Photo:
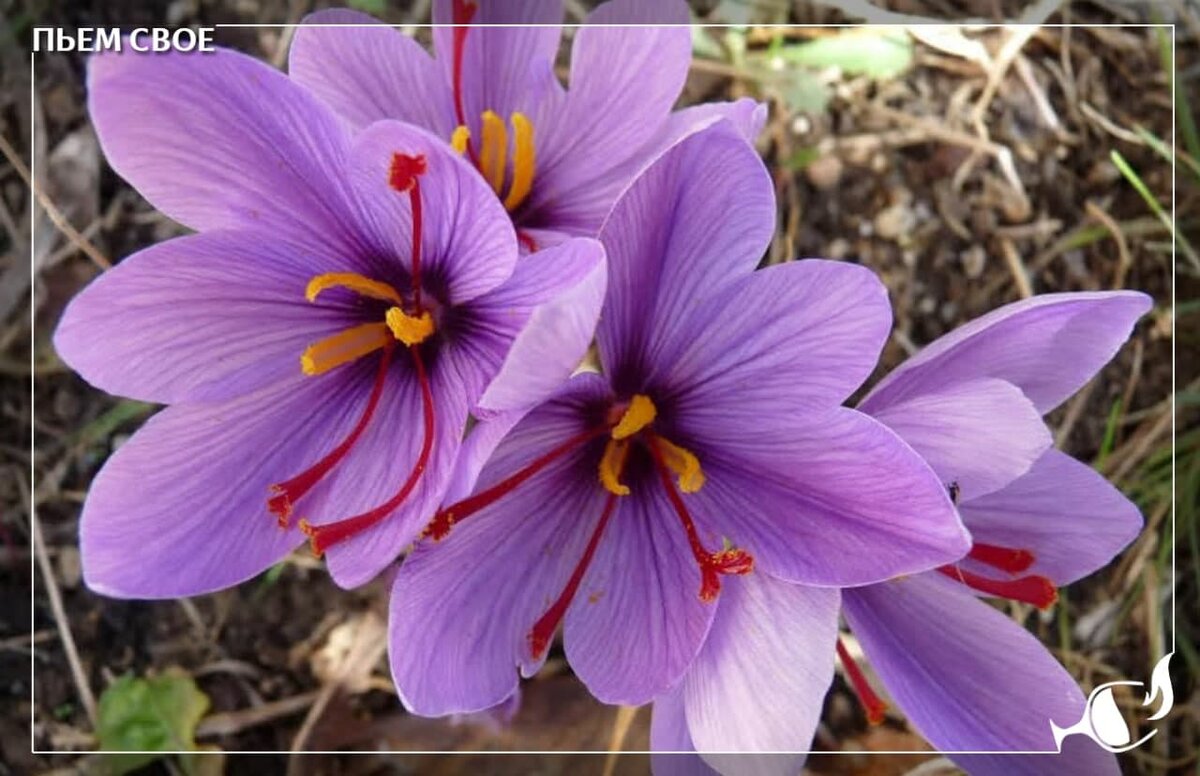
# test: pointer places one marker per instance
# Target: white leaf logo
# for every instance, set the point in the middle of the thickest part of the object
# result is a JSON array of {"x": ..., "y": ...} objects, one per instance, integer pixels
[{"x": 1102, "y": 720}]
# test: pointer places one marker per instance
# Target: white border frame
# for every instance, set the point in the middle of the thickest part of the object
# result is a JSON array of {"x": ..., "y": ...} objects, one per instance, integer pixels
[{"x": 33, "y": 209}]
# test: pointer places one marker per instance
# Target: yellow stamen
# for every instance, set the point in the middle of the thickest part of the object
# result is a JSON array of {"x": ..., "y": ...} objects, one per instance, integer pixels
[
  {"x": 354, "y": 282},
  {"x": 682, "y": 462},
  {"x": 409, "y": 329},
  {"x": 523, "y": 161},
  {"x": 343, "y": 347},
  {"x": 459, "y": 139},
  {"x": 494, "y": 154},
  {"x": 638, "y": 415},
  {"x": 611, "y": 465}
]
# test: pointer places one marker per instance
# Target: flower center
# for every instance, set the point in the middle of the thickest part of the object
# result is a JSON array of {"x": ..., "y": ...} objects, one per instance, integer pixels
[
  {"x": 625, "y": 424},
  {"x": 404, "y": 321},
  {"x": 492, "y": 156}
]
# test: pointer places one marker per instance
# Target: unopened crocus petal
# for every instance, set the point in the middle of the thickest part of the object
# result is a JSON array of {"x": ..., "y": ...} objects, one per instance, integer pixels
[
  {"x": 801, "y": 334},
  {"x": 368, "y": 71},
  {"x": 1063, "y": 511},
  {"x": 498, "y": 62},
  {"x": 966, "y": 676},
  {"x": 379, "y": 466},
  {"x": 978, "y": 434},
  {"x": 224, "y": 141},
  {"x": 560, "y": 290},
  {"x": 462, "y": 607},
  {"x": 703, "y": 213},
  {"x": 829, "y": 498},
  {"x": 469, "y": 247},
  {"x": 199, "y": 318},
  {"x": 1048, "y": 346},
  {"x": 180, "y": 509},
  {"x": 637, "y": 621},
  {"x": 760, "y": 681}
]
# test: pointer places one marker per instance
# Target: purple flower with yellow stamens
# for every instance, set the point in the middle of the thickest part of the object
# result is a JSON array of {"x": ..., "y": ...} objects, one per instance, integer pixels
[
  {"x": 712, "y": 453},
  {"x": 968, "y": 677},
  {"x": 557, "y": 158},
  {"x": 349, "y": 299}
]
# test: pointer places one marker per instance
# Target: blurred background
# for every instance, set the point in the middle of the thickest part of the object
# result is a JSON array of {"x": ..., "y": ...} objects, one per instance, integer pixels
[{"x": 970, "y": 166}]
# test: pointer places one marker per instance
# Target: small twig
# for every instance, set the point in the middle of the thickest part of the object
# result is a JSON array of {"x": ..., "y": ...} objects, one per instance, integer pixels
[
  {"x": 1124, "y": 260},
  {"x": 52, "y": 210},
  {"x": 621, "y": 725},
  {"x": 227, "y": 723},
  {"x": 1016, "y": 268},
  {"x": 1025, "y": 71},
  {"x": 56, "y": 606},
  {"x": 1108, "y": 126},
  {"x": 1075, "y": 410},
  {"x": 1008, "y": 52}
]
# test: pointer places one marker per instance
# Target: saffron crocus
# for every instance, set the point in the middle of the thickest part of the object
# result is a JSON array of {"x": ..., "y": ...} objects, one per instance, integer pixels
[
  {"x": 555, "y": 157},
  {"x": 968, "y": 677},
  {"x": 711, "y": 453},
  {"x": 347, "y": 302}
]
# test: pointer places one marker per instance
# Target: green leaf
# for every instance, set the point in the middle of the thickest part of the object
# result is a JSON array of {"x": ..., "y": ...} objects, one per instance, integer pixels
[
  {"x": 373, "y": 7},
  {"x": 157, "y": 714},
  {"x": 875, "y": 52}
]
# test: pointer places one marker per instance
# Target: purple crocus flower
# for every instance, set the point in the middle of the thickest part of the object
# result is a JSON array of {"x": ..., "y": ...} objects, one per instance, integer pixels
[
  {"x": 968, "y": 677},
  {"x": 710, "y": 460},
  {"x": 347, "y": 302},
  {"x": 557, "y": 158}
]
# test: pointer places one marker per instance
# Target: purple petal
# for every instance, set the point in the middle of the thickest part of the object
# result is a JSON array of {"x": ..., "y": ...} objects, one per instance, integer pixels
[
  {"x": 759, "y": 683},
  {"x": 967, "y": 676},
  {"x": 462, "y": 608},
  {"x": 232, "y": 144},
  {"x": 980, "y": 434},
  {"x": 468, "y": 243},
  {"x": 801, "y": 334},
  {"x": 1047, "y": 346},
  {"x": 669, "y": 733},
  {"x": 579, "y": 197},
  {"x": 370, "y": 73},
  {"x": 834, "y": 498},
  {"x": 563, "y": 290},
  {"x": 1071, "y": 519},
  {"x": 499, "y": 64},
  {"x": 475, "y": 451},
  {"x": 180, "y": 509},
  {"x": 205, "y": 317},
  {"x": 637, "y": 621},
  {"x": 381, "y": 463},
  {"x": 702, "y": 214},
  {"x": 623, "y": 83}
]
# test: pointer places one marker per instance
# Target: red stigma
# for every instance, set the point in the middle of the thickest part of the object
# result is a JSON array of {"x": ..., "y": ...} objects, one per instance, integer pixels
[
  {"x": 402, "y": 175},
  {"x": 872, "y": 704},
  {"x": 712, "y": 564},
  {"x": 1034, "y": 589},
  {"x": 1003, "y": 558},
  {"x": 325, "y": 536},
  {"x": 463, "y": 11},
  {"x": 446, "y": 518},
  {"x": 529, "y": 243},
  {"x": 543, "y": 630},
  {"x": 286, "y": 494}
]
